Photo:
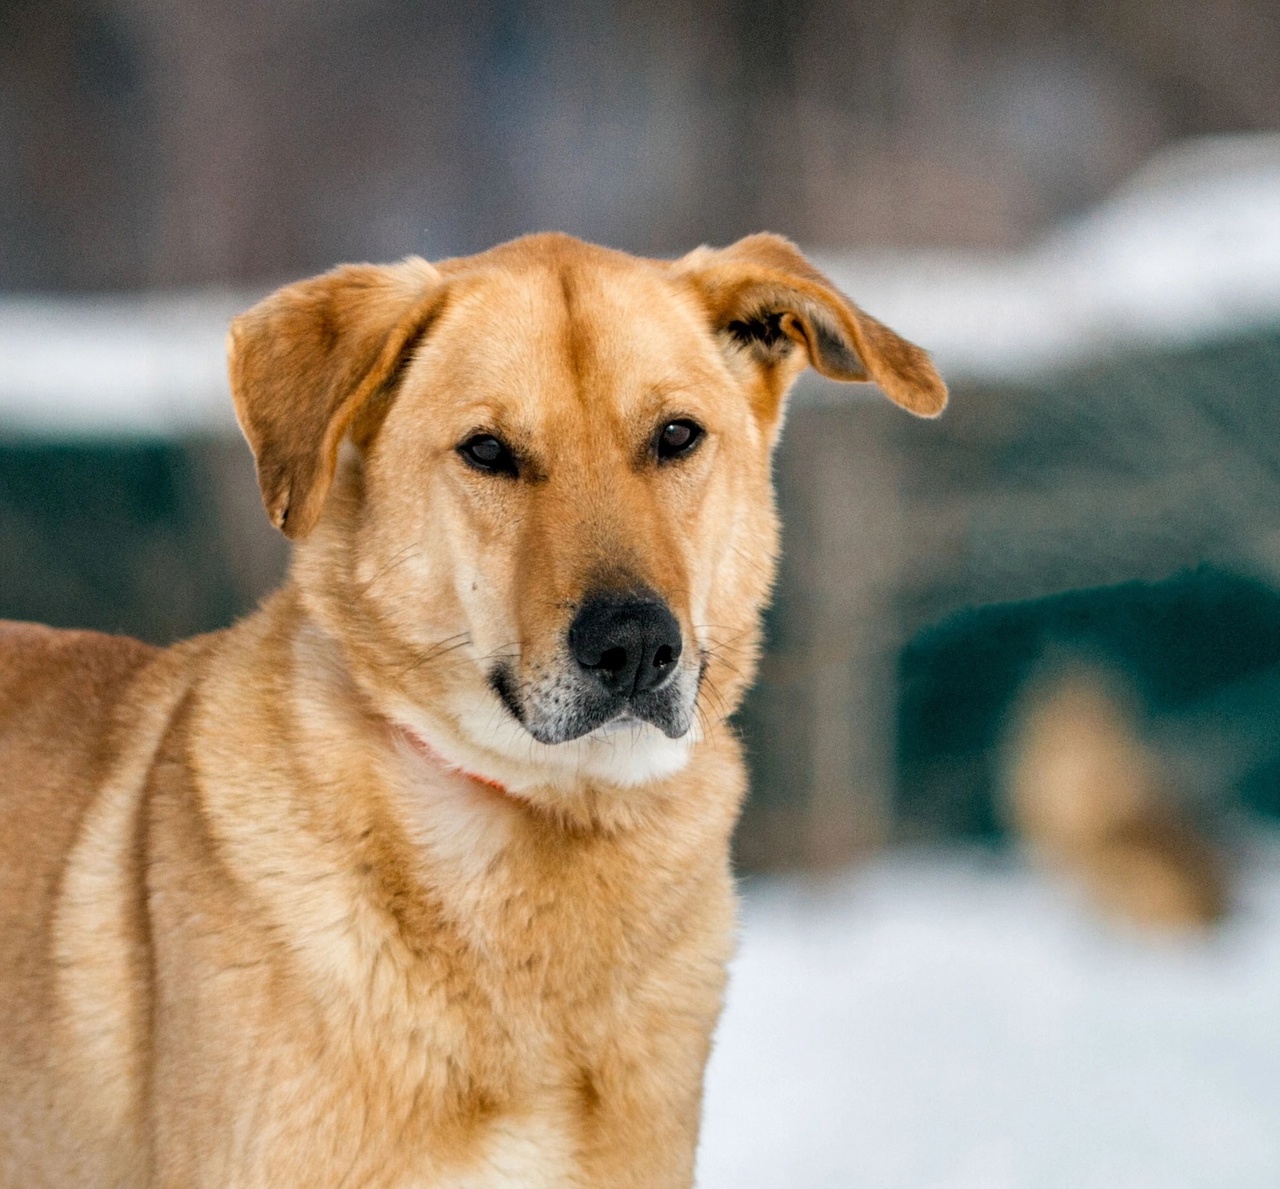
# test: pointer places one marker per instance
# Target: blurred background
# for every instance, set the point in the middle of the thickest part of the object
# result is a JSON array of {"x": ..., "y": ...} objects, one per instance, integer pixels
[{"x": 1075, "y": 204}]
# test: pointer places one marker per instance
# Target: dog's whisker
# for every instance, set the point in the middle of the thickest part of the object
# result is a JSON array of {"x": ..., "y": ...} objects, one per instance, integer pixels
[
  {"x": 714, "y": 694},
  {"x": 719, "y": 657},
  {"x": 436, "y": 652},
  {"x": 398, "y": 558}
]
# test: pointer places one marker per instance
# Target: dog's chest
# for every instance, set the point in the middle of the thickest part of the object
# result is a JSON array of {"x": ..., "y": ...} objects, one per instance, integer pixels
[
  {"x": 515, "y": 1153},
  {"x": 543, "y": 973}
]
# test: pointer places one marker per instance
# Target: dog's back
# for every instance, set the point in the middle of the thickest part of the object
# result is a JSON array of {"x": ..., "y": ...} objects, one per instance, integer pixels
[{"x": 57, "y": 691}]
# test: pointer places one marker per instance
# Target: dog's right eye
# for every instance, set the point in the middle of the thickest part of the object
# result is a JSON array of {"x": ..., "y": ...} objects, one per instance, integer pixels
[{"x": 487, "y": 453}]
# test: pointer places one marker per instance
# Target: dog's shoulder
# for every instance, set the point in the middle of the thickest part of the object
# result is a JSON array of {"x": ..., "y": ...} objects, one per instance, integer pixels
[
  {"x": 38, "y": 664},
  {"x": 58, "y": 694},
  {"x": 59, "y": 691},
  {"x": 19, "y": 639}
]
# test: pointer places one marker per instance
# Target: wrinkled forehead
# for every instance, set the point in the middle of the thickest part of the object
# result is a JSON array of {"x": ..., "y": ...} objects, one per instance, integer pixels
[{"x": 572, "y": 339}]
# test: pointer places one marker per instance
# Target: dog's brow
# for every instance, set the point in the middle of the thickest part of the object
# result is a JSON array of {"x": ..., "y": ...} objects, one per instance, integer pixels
[
  {"x": 575, "y": 337},
  {"x": 670, "y": 385}
]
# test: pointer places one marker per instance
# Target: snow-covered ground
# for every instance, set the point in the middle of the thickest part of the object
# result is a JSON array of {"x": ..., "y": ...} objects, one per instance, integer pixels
[
  {"x": 942, "y": 1020},
  {"x": 1186, "y": 251}
]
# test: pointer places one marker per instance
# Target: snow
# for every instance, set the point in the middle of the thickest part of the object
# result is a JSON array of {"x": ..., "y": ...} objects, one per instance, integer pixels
[
  {"x": 1188, "y": 250},
  {"x": 950, "y": 1020},
  {"x": 142, "y": 366}
]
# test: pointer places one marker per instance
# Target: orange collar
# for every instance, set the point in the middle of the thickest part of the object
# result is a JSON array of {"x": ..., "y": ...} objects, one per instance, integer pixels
[{"x": 429, "y": 753}]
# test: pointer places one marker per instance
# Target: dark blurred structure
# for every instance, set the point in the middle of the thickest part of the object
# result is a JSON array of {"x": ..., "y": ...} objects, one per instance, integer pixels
[
  {"x": 147, "y": 143},
  {"x": 882, "y": 699},
  {"x": 1132, "y": 473},
  {"x": 153, "y": 539}
]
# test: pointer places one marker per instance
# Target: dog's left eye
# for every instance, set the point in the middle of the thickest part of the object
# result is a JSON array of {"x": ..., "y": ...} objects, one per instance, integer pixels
[
  {"x": 677, "y": 438},
  {"x": 487, "y": 453}
]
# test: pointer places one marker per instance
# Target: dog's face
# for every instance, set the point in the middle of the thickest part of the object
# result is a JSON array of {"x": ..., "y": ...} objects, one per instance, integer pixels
[{"x": 553, "y": 533}]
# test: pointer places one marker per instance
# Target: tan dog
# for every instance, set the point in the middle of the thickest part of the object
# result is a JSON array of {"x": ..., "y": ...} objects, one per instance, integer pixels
[
  {"x": 1096, "y": 804},
  {"x": 419, "y": 875}
]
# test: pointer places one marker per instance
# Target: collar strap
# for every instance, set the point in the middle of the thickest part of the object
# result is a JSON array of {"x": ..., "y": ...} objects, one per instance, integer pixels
[{"x": 433, "y": 757}]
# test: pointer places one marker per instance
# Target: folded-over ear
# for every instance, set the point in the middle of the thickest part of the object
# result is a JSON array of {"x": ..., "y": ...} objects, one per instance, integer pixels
[
  {"x": 311, "y": 363},
  {"x": 765, "y": 300}
]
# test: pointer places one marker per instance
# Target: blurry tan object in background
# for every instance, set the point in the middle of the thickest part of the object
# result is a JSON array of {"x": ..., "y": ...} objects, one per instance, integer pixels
[
  {"x": 1096, "y": 804},
  {"x": 398, "y": 881}
]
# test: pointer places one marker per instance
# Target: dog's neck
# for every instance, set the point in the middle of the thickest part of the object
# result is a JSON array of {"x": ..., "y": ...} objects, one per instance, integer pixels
[{"x": 420, "y": 747}]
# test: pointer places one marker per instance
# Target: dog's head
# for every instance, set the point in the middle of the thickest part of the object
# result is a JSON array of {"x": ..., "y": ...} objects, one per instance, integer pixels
[{"x": 552, "y": 530}]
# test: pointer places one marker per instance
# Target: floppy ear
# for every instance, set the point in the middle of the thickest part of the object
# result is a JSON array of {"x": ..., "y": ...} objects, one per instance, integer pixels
[
  {"x": 313, "y": 357},
  {"x": 766, "y": 301}
]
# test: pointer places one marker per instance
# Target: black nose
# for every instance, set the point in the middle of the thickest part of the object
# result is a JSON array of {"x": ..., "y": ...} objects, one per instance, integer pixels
[{"x": 629, "y": 644}]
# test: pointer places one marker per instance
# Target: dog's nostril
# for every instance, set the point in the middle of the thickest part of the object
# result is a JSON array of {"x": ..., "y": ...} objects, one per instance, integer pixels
[
  {"x": 613, "y": 659},
  {"x": 663, "y": 657}
]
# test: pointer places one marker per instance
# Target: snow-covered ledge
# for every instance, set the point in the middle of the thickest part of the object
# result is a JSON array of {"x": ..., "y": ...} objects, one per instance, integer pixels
[
  {"x": 1185, "y": 252},
  {"x": 121, "y": 366}
]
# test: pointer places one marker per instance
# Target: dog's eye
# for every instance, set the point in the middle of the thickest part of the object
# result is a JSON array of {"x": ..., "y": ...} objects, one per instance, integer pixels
[
  {"x": 487, "y": 453},
  {"x": 677, "y": 438}
]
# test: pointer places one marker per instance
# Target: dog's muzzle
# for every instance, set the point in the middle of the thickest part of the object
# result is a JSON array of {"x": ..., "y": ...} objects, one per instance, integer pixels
[{"x": 623, "y": 665}]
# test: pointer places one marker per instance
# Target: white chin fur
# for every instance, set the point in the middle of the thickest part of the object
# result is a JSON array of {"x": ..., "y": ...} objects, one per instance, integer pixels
[{"x": 490, "y": 743}]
